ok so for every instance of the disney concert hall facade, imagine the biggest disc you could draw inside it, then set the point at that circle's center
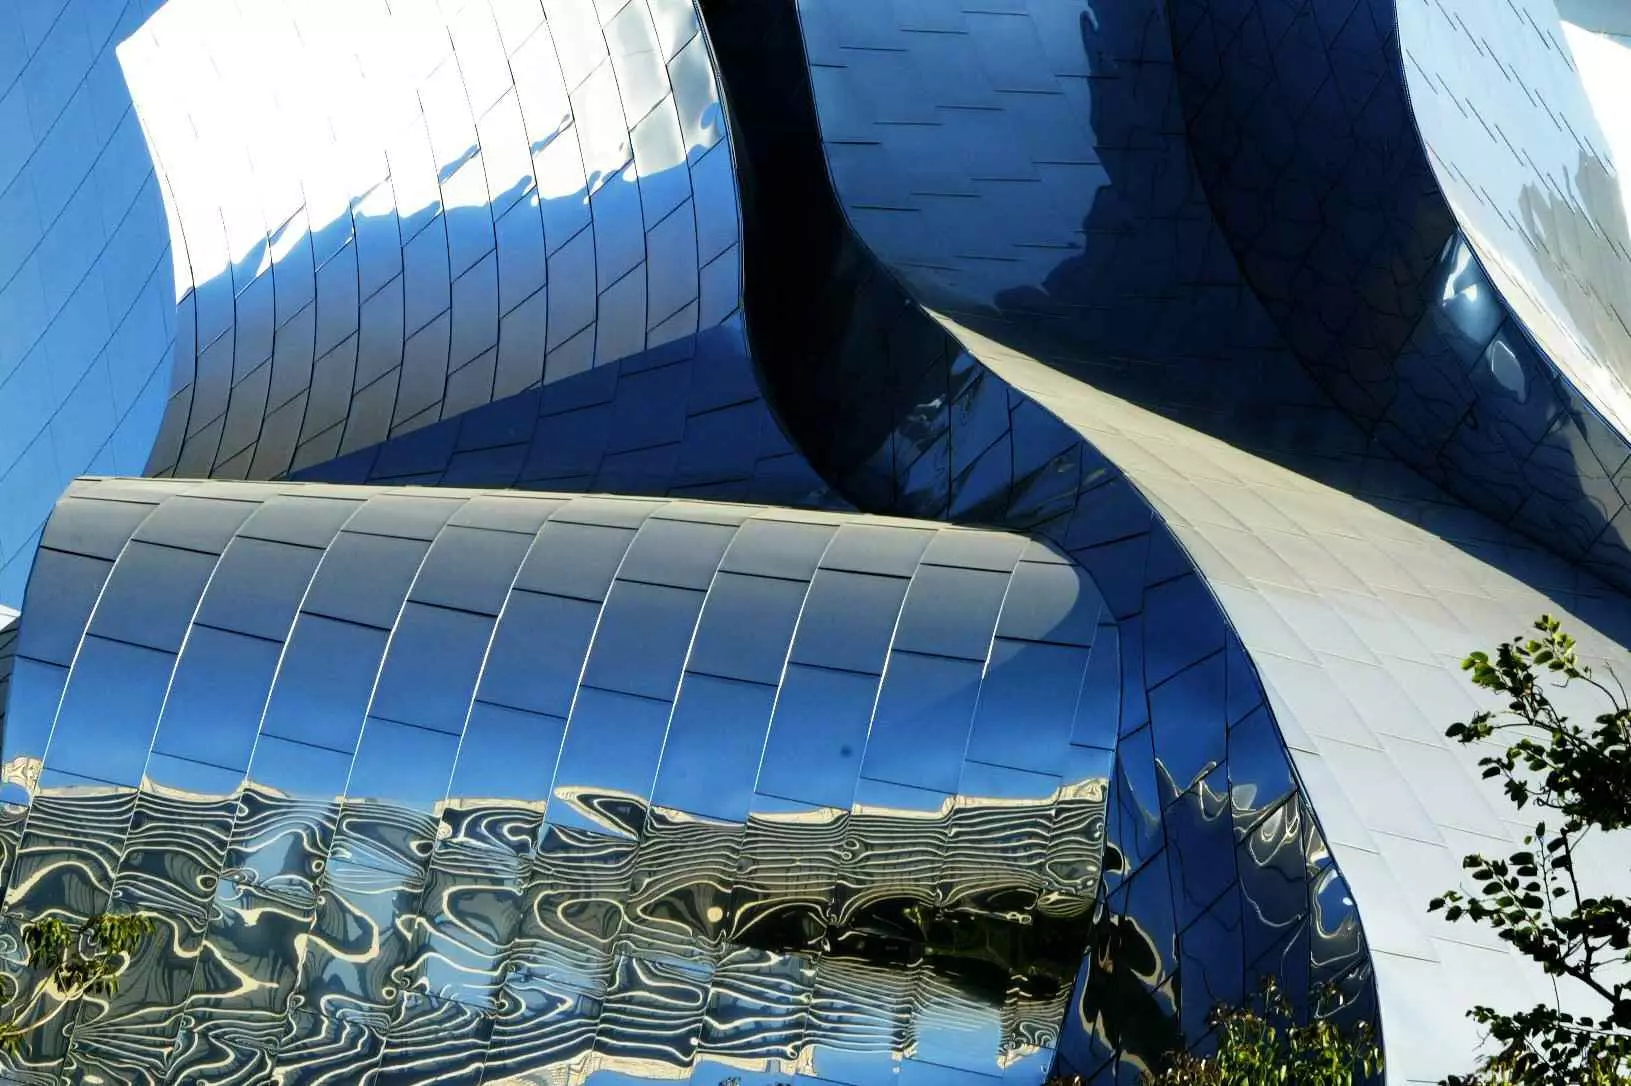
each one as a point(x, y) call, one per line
point(793, 541)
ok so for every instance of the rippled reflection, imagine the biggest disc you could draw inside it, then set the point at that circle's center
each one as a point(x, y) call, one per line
point(800, 939)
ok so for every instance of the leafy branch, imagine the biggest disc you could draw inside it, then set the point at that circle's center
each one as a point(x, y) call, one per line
point(1262, 1044)
point(74, 961)
point(1533, 899)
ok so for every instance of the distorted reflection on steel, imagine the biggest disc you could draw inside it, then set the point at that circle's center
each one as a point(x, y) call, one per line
point(621, 886)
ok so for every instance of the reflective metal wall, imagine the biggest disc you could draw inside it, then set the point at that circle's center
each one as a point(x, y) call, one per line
point(385, 218)
point(928, 430)
point(461, 786)
point(1356, 606)
point(1058, 167)
point(86, 317)
point(1353, 583)
point(1519, 154)
point(446, 785)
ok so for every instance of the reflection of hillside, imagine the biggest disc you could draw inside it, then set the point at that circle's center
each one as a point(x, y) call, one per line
point(304, 932)
point(1583, 249)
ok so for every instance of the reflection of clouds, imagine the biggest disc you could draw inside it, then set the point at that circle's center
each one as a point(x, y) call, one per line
point(1599, 36)
point(1586, 237)
point(1527, 140)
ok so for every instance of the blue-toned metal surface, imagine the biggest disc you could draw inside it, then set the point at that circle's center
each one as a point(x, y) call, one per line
point(1142, 298)
point(447, 208)
point(86, 314)
point(925, 429)
point(687, 419)
point(125, 599)
point(455, 786)
point(540, 786)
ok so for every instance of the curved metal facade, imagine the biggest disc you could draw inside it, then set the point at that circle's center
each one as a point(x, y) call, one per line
point(86, 317)
point(492, 786)
point(1299, 560)
point(446, 210)
point(1546, 217)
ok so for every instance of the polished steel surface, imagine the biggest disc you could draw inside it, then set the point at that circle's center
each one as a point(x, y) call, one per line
point(687, 419)
point(8, 652)
point(1515, 144)
point(558, 786)
point(1356, 606)
point(1329, 182)
point(1353, 582)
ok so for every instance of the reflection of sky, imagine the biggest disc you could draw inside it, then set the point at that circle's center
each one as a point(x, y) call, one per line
point(252, 117)
point(1516, 146)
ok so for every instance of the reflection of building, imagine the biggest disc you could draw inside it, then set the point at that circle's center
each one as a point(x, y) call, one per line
point(442, 773)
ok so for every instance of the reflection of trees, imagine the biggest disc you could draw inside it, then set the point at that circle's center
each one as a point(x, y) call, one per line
point(1119, 1000)
point(980, 913)
point(1583, 249)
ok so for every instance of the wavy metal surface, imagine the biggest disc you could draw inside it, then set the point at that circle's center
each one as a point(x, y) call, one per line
point(86, 317)
point(1351, 581)
point(430, 781)
point(310, 723)
point(445, 208)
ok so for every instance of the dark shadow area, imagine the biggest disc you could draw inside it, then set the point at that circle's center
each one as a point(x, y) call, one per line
point(1300, 129)
point(686, 419)
point(839, 347)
